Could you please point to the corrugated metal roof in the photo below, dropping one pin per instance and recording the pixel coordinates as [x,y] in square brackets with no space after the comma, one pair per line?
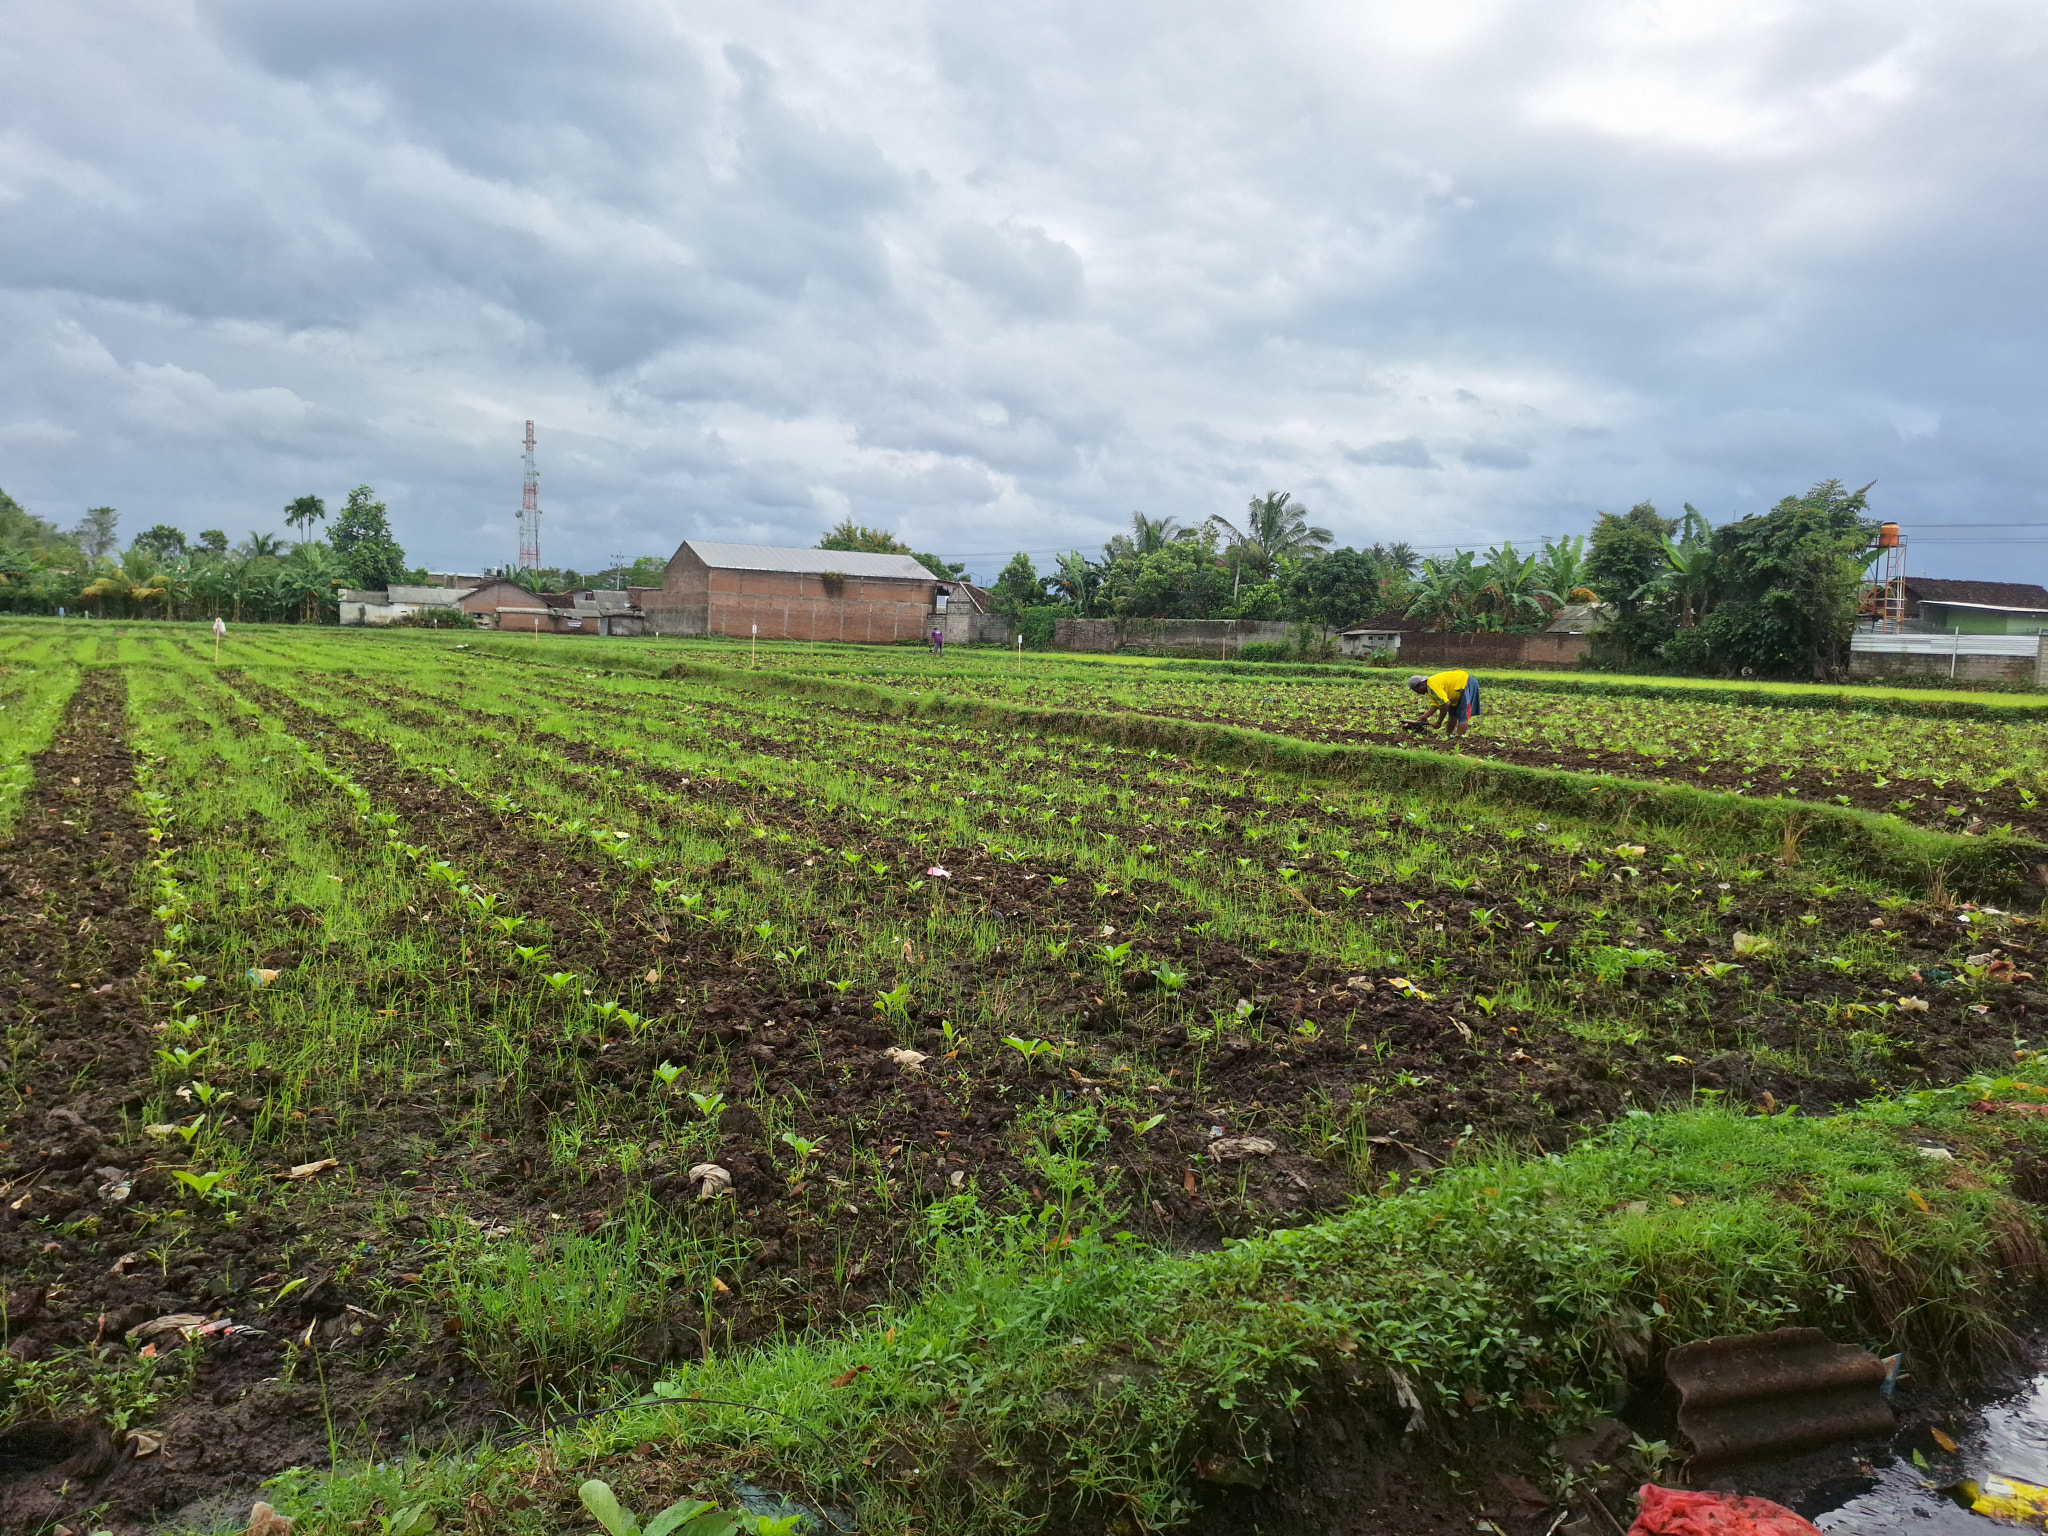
[810,562]
[2024,596]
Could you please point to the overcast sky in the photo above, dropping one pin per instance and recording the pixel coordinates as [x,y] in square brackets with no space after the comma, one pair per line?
[995,275]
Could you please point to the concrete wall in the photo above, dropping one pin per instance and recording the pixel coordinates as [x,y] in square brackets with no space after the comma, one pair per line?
[965,627]
[787,605]
[1875,666]
[1964,657]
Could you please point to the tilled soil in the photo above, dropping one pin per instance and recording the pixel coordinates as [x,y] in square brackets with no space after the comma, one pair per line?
[88,1246]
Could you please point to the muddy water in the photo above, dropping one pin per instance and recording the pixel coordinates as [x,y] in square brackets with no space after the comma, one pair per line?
[2005,1437]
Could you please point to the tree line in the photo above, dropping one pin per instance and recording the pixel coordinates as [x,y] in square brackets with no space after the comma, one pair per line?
[163,574]
[1774,594]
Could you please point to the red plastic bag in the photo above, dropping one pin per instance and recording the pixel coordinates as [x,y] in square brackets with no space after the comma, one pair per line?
[1688,1512]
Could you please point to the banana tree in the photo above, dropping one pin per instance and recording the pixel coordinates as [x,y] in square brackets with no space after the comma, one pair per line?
[310,577]
[1445,590]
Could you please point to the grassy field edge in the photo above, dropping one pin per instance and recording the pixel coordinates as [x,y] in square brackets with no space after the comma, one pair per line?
[1996,866]
[1510,1295]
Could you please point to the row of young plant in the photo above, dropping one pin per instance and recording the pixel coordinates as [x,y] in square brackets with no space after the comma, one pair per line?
[1100,1458]
[1649,923]
[35,685]
[306,1051]
[1673,738]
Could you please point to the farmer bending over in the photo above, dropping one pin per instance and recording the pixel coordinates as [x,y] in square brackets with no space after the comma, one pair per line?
[1454,697]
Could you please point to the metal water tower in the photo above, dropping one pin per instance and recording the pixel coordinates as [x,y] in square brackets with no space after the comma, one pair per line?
[1891,575]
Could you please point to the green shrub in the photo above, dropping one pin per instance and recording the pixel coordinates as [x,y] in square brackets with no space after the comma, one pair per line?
[1035,624]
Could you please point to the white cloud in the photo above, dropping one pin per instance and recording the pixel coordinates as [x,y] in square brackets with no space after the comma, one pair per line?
[997,275]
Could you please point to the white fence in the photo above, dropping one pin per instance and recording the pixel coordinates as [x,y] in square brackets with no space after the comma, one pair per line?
[1943,646]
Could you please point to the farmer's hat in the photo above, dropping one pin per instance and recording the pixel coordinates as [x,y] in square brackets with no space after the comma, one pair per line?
[1418,682]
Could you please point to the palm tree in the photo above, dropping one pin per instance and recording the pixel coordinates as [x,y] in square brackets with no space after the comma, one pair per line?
[1688,576]
[304,512]
[1148,536]
[263,546]
[1273,531]
[176,581]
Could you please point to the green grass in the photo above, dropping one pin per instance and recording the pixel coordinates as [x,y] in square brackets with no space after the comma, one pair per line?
[1032,1384]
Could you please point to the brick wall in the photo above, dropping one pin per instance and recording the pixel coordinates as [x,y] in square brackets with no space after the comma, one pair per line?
[1493,650]
[1194,637]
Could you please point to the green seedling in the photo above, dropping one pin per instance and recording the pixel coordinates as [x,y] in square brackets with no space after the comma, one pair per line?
[188,1132]
[685,1517]
[804,1148]
[181,1056]
[413,1520]
[560,981]
[708,1104]
[1170,979]
[198,1183]
[668,1072]
[531,954]
[1153,1123]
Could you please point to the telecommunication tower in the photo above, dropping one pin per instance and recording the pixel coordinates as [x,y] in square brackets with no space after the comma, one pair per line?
[529,511]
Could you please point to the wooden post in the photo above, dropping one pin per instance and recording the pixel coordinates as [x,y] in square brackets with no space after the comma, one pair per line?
[753,644]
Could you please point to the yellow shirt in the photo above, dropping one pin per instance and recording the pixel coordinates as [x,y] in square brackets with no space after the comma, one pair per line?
[1448,686]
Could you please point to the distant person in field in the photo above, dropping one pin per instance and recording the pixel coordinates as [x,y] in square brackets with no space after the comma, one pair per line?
[1453,699]
[938,641]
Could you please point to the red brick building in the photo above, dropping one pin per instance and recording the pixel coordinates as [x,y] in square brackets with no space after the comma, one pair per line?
[792,594]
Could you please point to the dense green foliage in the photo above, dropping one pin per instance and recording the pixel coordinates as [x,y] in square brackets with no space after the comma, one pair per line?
[849,535]
[164,574]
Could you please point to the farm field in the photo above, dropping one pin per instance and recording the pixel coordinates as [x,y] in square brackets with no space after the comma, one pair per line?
[1955,774]
[461,1034]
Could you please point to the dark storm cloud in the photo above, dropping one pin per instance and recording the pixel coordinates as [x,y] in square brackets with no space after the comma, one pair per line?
[995,275]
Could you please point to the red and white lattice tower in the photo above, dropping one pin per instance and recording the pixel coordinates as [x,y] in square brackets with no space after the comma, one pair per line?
[529,511]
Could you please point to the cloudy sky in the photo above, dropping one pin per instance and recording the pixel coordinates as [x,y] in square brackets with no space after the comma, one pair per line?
[995,275]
